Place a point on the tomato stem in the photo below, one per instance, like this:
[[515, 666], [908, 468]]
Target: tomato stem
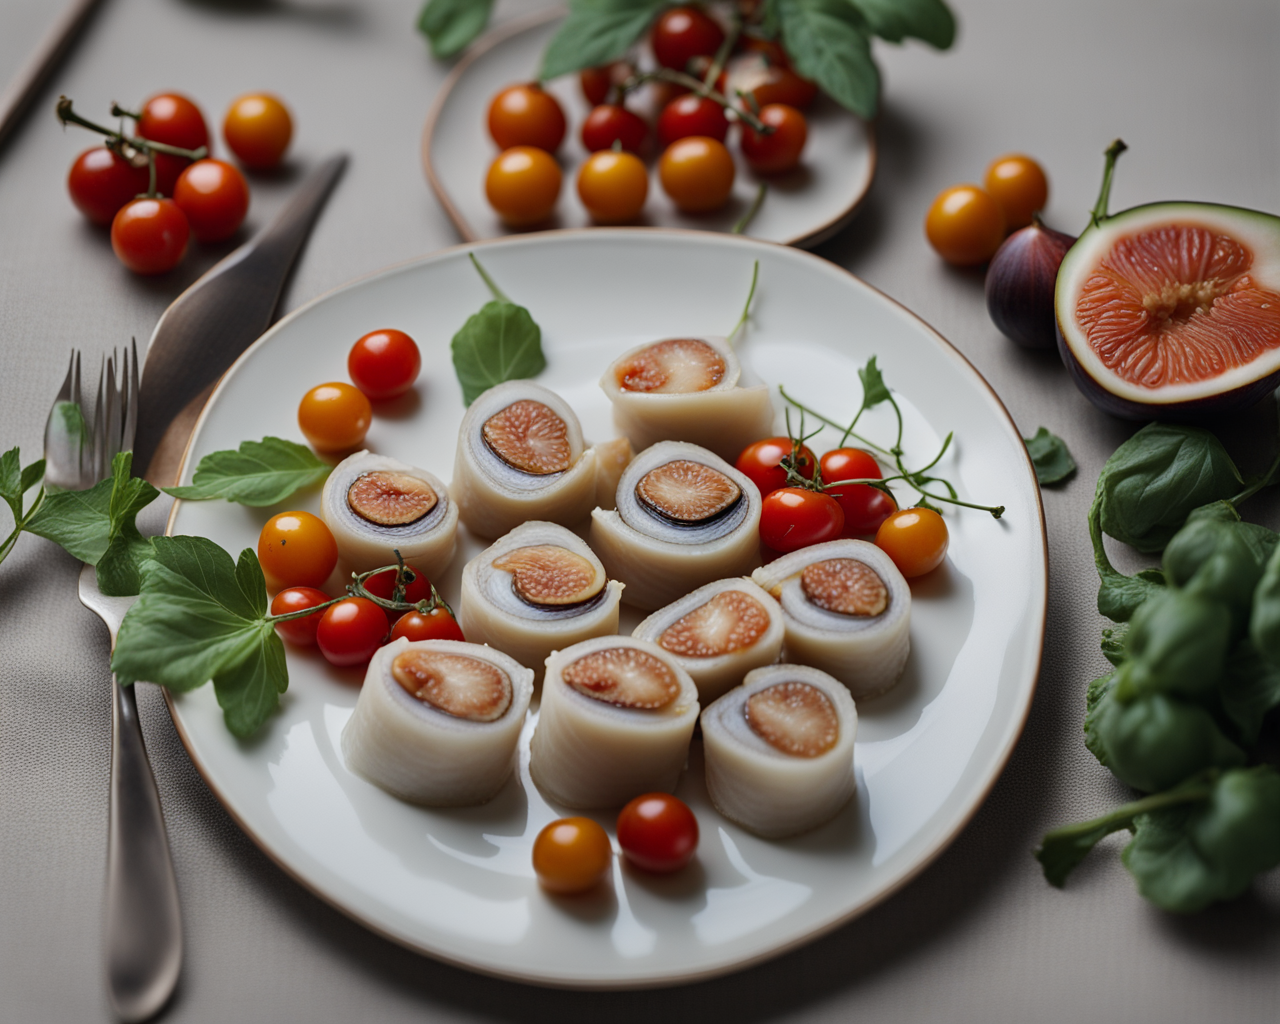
[[497, 292], [1109, 169], [749, 216], [832, 423], [693, 85], [66, 115], [746, 309]]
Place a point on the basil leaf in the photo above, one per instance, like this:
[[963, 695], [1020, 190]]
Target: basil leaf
[[16, 481], [596, 32], [895, 20], [258, 473], [1050, 457], [451, 25], [828, 43], [1119, 596], [499, 343], [874, 389], [1098, 689], [1250, 687], [1113, 641], [1264, 619], [201, 617]]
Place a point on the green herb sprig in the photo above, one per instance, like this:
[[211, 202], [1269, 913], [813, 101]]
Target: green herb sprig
[[258, 473], [499, 343]]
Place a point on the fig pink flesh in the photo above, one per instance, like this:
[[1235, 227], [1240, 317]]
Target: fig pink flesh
[[455, 684], [794, 718], [530, 437], [676, 366], [390, 499], [547, 574], [731, 621], [625, 677], [845, 586], [687, 491]]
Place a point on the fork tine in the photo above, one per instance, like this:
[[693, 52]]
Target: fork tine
[[129, 384], [99, 427], [64, 392], [112, 418]]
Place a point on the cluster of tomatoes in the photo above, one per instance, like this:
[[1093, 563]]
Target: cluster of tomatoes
[[695, 168], [657, 832], [805, 503], [967, 223], [153, 213]]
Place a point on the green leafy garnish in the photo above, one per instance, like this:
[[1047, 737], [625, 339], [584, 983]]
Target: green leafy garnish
[[258, 473], [451, 25], [896, 20], [15, 481], [829, 43], [202, 616], [1050, 457], [597, 32], [499, 343]]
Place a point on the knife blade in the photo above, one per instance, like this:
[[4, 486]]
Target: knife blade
[[209, 325]]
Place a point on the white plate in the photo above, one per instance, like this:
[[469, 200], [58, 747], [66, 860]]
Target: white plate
[[804, 207], [458, 884]]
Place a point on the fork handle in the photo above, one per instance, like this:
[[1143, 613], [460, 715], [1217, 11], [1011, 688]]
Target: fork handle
[[143, 923]]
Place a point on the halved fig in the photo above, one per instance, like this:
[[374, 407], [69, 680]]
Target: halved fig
[[675, 366], [687, 492], [390, 499], [845, 586], [530, 437], [547, 574], [455, 684], [731, 621], [793, 718], [625, 677]]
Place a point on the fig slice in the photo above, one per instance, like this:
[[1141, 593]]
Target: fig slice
[[731, 621], [625, 677], [390, 499], [455, 684], [547, 574], [845, 586], [794, 718], [687, 492], [530, 437], [678, 366]]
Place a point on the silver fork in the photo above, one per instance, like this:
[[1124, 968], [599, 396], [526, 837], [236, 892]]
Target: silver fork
[[143, 923]]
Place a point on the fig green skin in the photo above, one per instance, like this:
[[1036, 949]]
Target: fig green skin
[[1198, 410]]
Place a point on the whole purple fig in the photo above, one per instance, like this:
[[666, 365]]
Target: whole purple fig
[[1020, 284]]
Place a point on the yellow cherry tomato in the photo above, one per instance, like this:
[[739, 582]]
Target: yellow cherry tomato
[[697, 173], [572, 855], [335, 416], [523, 185], [915, 539], [613, 186], [296, 549], [1019, 186], [965, 225], [258, 129]]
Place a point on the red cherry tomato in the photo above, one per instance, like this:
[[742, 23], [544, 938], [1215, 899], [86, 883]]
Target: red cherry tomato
[[351, 631], [864, 507], [383, 585], [609, 122], [175, 121], [658, 832], [572, 855], [683, 33], [782, 85], [689, 115], [296, 599], [296, 549], [334, 417], [780, 150], [258, 129], [916, 539], [437, 624], [794, 518], [384, 364], [526, 115], [595, 83], [759, 462], [101, 181], [150, 236], [215, 198]]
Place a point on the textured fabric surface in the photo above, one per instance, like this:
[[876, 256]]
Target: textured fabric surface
[[978, 936]]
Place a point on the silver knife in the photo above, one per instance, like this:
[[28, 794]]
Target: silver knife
[[211, 323]]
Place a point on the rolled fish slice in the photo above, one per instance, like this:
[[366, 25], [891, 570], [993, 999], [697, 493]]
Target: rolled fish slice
[[375, 505], [536, 590], [718, 633], [846, 609], [437, 721], [686, 389], [684, 518], [521, 457], [615, 721], [779, 750]]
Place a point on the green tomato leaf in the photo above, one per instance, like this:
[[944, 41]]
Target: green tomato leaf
[[596, 32], [828, 43], [874, 389], [895, 20], [1050, 457], [499, 343], [451, 25], [258, 473]]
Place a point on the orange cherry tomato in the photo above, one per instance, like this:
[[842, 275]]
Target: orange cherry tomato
[[258, 129], [523, 185], [1019, 186], [697, 173], [296, 549], [572, 855], [965, 225], [526, 115], [915, 538], [335, 416], [215, 198], [613, 186]]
